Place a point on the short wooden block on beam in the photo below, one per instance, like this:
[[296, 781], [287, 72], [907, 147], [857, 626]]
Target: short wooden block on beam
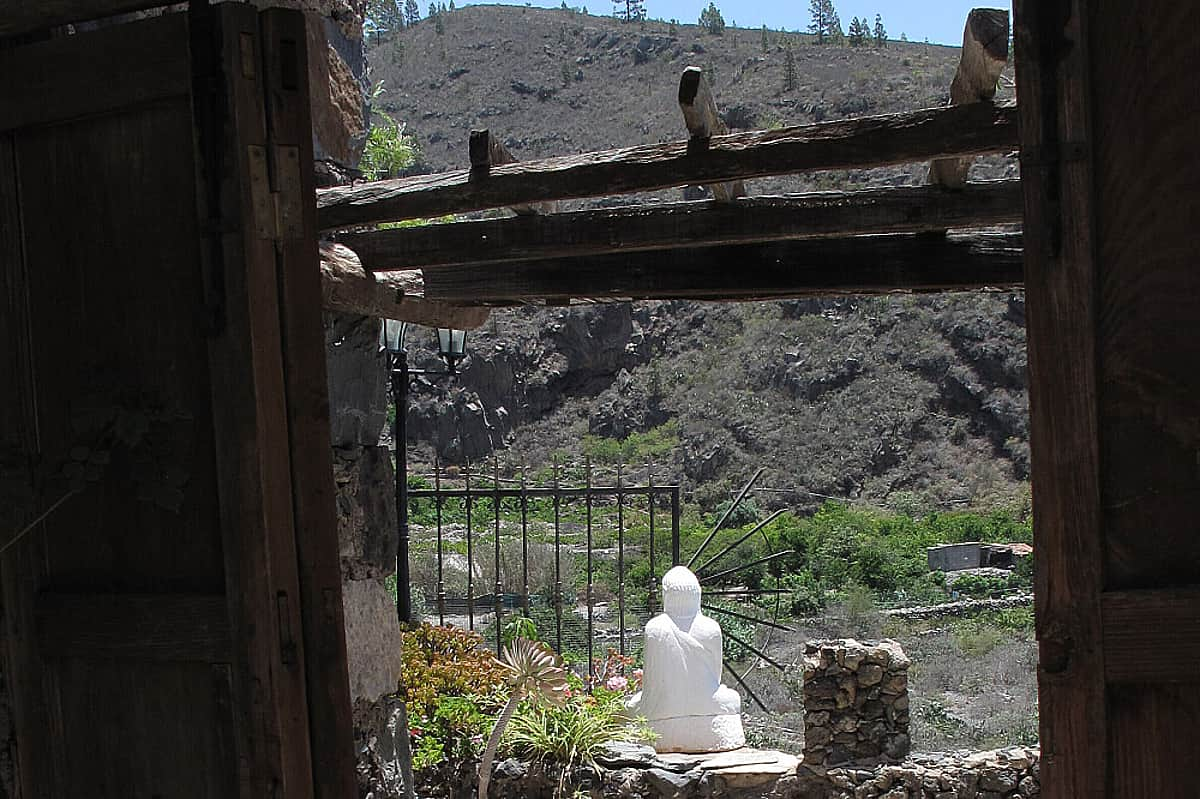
[[853, 265], [984, 56], [487, 151], [746, 220], [703, 122]]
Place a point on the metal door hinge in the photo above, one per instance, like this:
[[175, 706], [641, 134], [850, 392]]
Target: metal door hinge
[[275, 191]]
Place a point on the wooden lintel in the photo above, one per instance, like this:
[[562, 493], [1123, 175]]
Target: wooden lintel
[[27, 16], [487, 151], [1151, 636], [347, 287], [703, 122], [696, 224], [984, 55], [853, 265], [167, 627], [972, 129]]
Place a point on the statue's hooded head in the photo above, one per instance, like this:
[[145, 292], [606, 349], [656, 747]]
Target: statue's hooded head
[[681, 592]]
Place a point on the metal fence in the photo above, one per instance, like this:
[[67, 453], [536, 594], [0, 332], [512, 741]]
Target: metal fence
[[560, 546]]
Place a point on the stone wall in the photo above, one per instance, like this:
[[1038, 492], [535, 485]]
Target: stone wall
[[855, 702], [631, 771], [367, 538]]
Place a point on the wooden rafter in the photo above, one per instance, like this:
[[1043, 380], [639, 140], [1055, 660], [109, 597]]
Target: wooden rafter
[[973, 129], [693, 224], [852, 265]]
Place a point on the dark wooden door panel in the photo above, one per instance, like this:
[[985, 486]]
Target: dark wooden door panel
[[162, 332]]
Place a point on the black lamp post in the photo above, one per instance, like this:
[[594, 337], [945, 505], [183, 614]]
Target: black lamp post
[[452, 349]]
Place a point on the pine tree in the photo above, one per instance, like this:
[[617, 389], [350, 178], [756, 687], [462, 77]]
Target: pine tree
[[385, 16], [635, 10], [766, 45], [790, 81], [432, 11], [712, 21], [836, 34], [880, 32], [857, 33], [819, 26], [451, 5], [412, 13]]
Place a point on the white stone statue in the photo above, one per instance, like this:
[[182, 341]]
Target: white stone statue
[[682, 696]]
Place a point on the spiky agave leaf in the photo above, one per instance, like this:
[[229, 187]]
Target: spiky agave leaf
[[536, 671]]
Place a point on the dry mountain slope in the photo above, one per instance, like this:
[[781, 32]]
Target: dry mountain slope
[[878, 398]]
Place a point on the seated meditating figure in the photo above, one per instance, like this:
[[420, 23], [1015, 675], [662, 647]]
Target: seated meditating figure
[[682, 696]]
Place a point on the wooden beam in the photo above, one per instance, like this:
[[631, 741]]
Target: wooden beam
[[868, 141], [347, 287], [696, 224], [854, 265], [27, 16], [166, 627], [703, 122], [984, 56], [1151, 636], [487, 151]]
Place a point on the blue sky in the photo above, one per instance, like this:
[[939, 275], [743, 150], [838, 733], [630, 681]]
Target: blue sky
[[941, 21]]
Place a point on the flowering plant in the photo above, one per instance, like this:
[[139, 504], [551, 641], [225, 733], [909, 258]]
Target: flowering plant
[[616, 673]]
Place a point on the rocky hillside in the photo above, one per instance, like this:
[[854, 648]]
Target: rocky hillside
[[888, 399]]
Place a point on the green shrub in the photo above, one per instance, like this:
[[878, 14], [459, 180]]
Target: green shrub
[[977, 640], [389, 151], [456, 731], [572, 735], [439, 662]]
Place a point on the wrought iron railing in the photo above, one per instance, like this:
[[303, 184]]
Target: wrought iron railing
[[489, 536]]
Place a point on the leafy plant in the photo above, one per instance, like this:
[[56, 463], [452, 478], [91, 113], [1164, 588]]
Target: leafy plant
[[389, 150], [571, 735], [444, 661], [534, 672]]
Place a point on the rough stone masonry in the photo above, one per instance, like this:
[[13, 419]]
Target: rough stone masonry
[[855, 702]]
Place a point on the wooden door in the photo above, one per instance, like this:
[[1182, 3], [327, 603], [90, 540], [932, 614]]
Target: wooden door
[[173, 625], [1109, 115]]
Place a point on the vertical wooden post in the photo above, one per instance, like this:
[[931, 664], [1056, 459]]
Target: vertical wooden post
[[1060, 285], [289, 132]]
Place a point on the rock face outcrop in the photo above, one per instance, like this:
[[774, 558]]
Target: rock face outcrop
[[855, 702]]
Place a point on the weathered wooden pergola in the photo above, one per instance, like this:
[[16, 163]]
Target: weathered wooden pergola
[[159, 251], [733, 247]]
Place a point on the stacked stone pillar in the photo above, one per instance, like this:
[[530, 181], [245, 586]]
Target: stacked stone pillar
[[855, 702]]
